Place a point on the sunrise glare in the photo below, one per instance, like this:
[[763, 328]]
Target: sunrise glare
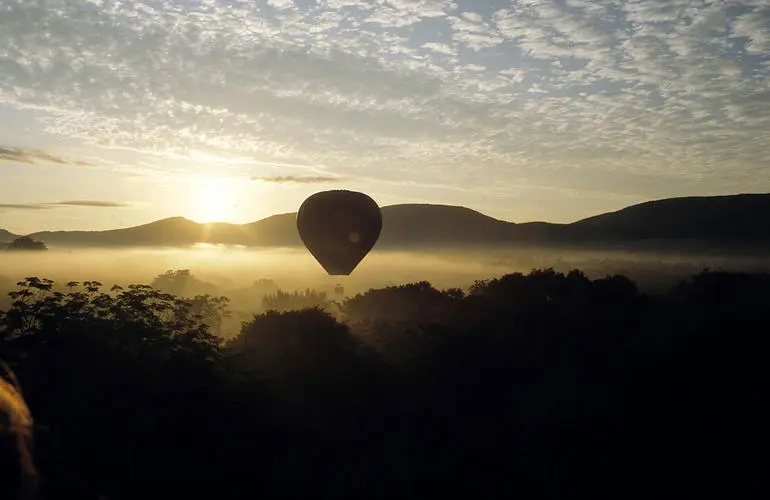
[[214, 200]]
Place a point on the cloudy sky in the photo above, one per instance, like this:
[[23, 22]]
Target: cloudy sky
[[115, 113]]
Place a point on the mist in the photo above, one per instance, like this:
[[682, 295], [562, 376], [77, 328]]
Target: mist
[[232, 271]]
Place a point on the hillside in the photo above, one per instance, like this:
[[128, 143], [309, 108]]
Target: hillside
[[278, 230], [174, 231], [439, 224], [402, 225], [6, 236], [452, 225], [743, 218]]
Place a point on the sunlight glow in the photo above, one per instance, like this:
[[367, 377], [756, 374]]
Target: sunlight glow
[[214, 200]]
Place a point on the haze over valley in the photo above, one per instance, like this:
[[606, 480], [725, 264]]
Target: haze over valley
[[656, 244]]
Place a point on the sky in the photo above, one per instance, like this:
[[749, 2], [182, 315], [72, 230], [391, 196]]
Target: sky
[[116, 113]]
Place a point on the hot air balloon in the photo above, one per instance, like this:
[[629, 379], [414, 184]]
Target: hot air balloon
[[339, 228]]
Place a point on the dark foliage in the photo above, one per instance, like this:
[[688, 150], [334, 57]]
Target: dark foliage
[[120, 385], [546, 385], [289, 301], [25, 243], [182, 283]]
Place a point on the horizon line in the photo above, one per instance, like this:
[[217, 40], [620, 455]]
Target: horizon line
[[382, 208]]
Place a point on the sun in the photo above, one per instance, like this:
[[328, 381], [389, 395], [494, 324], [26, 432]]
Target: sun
[[213, 200]]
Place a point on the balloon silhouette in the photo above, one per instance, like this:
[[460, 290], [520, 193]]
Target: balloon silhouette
[[339, 228]]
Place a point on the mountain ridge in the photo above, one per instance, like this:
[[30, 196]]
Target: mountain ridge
[[742, 217]]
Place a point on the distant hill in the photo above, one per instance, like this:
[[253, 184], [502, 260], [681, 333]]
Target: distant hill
[[278, 230], [720, 218], [743, 217], [7, 237], [412, 224], [402, 225]]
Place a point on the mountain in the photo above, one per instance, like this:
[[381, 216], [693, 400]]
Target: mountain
[[402, 225], [412, 224], [175, 231], [438, 224], [6, 236], [718, 218], [733, 218], [278, 230]]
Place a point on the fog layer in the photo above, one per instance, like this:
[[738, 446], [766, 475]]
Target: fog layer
[[230, 268]]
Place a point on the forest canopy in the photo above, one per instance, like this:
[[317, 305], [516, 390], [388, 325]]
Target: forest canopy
[[544, 384]]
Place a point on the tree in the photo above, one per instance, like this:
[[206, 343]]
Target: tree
[[26, 243], [582, 385], [316, 368], [289, 301], [181, 282], [212, 310], [135, 366], [414, 302]]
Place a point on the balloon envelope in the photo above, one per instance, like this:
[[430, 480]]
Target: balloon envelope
[[339, 228]]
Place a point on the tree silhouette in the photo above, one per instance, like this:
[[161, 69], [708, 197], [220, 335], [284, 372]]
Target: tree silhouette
[[414, 302], [134, 365], [288, 301], [182, 283], [544, 385], [212, 310], [25, 243], [324, 380]]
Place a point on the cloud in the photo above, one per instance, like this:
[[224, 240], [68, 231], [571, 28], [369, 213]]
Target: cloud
[[33, 156], [61, 204], [440, 48], [292, 179], [577, 93], [24, 206], [92, 203]]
